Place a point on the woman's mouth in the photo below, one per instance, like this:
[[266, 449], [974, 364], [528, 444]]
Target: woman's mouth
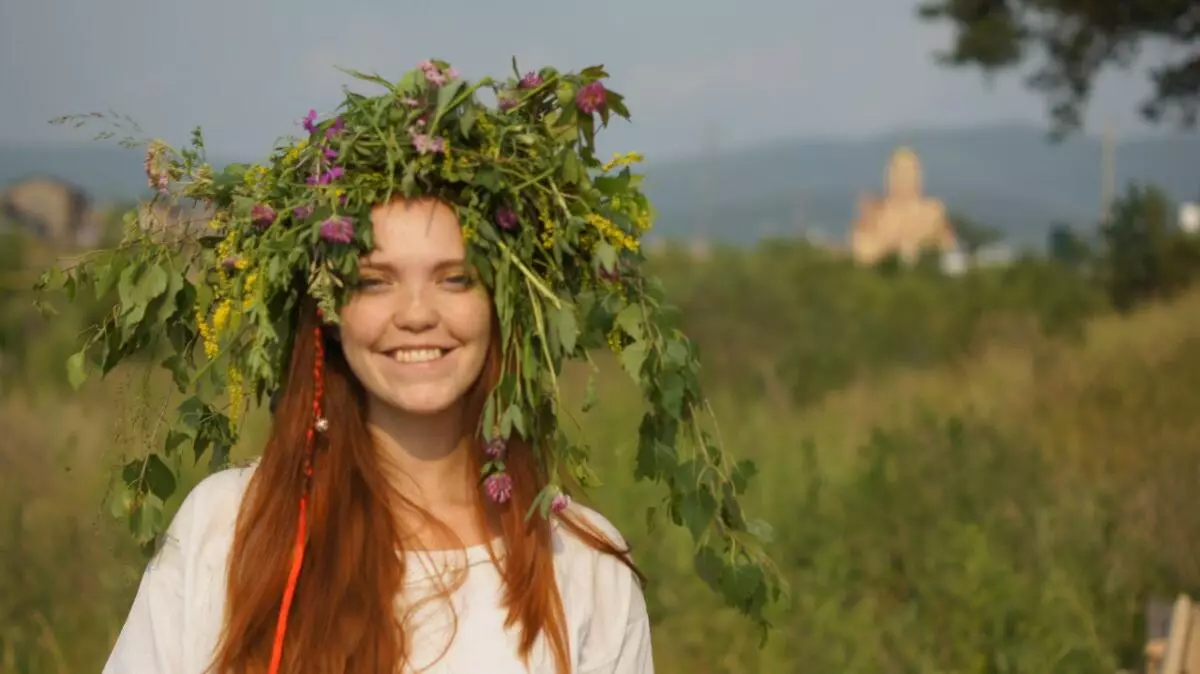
[[418, 355]]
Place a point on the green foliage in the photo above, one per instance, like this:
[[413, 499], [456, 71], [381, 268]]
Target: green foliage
[[939, 539], [973, 235], [552, 231], [1078, 39], [831, 321], [1019, 533], [1145, 257]]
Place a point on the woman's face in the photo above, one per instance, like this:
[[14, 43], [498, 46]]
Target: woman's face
[[416, 330]]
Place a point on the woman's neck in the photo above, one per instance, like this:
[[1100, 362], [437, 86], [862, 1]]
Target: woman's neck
[[426, 456]]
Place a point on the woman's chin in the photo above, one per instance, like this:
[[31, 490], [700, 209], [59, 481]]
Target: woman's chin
[[420, 401]]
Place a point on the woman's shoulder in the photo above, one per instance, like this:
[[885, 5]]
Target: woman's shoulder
[[585, 542], [210, 509], [590, 521], [601, 592]]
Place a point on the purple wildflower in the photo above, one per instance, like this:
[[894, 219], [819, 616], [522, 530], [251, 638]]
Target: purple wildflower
[[326, 177], [310, 121], [156, 174], [499, 487], [495, 448], [591, 98], [425, 144], [335, 128], [531, 80], [338, 230], [452, 73], [411, 102], [262, 215], [229, 263], [506, 218], [433, 74], [507, 100], [560, 502], [302, 212], [330, 153]]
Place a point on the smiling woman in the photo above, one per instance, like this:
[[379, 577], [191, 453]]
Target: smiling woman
[[408, 280], [416, 333]]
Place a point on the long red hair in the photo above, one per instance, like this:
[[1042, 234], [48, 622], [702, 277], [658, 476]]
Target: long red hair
[[343, 618]]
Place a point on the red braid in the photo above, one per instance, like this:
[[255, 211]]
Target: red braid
[[319, 425]]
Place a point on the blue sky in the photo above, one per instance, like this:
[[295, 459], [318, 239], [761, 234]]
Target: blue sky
[[694, 72]]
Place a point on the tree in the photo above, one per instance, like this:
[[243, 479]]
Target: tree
[[1145, 257], [1078, 39], [1067, 246], [972, 235]]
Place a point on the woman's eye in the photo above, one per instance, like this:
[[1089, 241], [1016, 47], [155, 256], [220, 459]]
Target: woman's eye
[[369, 284], [459, 280]]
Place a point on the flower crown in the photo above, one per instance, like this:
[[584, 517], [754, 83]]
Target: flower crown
[[553, 231]]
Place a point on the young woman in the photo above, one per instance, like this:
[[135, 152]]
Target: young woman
[[406, 281], [395, 500]]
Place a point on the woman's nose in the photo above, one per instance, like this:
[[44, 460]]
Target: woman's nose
[[415, 311]]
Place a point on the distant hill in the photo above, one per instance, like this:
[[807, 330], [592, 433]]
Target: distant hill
[[1007, 176]]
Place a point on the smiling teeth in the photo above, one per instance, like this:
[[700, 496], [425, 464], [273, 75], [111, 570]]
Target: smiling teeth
[[417, 355]]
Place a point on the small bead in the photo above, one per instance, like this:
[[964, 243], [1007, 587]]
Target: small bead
[[322, 425]]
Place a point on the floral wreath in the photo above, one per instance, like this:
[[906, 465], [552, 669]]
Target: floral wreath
[[553, 231]]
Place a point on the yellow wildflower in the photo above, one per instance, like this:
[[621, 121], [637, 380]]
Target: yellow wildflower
[[248, 291], [220, 319], [237, 393], [255, 176], [611, 232], [618, 160], [614, 340], [548, 226], [207, 337], [293, 154]]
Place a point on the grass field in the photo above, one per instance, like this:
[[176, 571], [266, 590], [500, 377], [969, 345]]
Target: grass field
[[1006, 507]]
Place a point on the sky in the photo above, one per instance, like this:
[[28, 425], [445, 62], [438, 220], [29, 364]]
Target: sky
[[696, 74]]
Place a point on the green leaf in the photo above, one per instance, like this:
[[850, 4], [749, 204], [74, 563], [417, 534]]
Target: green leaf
[[676, 354], [446, 96], [572, 171], [159, 477], [589, 396], [632, 359], [564, 326], [671, 391], [368, 78], [630, 321], [513, 418], [77, 369], [743, 472], [697, 508], [709, 567]]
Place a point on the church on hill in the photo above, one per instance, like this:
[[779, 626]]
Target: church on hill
[[903, 221]]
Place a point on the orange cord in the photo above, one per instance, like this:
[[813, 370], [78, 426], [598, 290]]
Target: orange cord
[[289, 591]]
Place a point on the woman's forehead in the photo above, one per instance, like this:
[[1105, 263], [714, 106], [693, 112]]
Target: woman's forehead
[[416, 230]]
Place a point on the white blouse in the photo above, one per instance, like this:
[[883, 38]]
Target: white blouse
[[176, 616]]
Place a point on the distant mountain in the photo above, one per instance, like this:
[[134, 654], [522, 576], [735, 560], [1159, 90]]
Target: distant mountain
[[1007, 176]]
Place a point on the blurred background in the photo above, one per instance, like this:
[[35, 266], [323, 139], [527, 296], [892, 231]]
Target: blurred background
[[940, 262]]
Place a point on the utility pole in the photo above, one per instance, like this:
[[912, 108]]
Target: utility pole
[[1108, 171]]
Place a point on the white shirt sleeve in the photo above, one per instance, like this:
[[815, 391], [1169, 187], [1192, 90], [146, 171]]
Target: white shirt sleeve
[[152, 639], [634, 655], [618, 640]]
